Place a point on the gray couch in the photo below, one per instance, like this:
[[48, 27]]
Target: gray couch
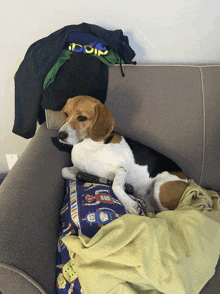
[[173, 109]]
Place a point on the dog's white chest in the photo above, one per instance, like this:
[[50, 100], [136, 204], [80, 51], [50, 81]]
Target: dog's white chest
[[100, 159]]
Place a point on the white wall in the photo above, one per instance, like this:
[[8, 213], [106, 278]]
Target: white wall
[[160, 31]]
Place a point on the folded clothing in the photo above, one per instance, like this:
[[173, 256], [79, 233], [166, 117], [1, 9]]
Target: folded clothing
[[87, 43], [78, 43], [54, 70], [86, 208], [109, 59], [41, 57], [81, 74]]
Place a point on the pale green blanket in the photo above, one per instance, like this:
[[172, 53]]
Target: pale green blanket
[[172, 252]]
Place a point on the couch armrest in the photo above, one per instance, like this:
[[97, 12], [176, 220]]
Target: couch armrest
[[30, 201]]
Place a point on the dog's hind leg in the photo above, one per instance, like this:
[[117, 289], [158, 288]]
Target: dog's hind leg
[[168, 189], [130, 205]]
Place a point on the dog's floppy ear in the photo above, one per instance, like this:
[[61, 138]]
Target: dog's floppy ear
[[103, 123]]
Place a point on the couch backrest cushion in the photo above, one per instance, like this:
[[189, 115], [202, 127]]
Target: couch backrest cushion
[[172, 109]]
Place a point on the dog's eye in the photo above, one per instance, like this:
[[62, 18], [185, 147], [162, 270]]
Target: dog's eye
[[66, 114], [82, 118]]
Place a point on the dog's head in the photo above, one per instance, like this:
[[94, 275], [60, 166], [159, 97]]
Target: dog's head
[[86, 117]]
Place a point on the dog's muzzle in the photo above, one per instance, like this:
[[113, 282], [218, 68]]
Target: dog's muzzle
[[62, 135]]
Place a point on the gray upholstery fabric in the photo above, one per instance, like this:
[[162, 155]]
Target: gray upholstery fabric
[[211, 172], [167, 109], [30, 201], [54, 119], [14, 281]]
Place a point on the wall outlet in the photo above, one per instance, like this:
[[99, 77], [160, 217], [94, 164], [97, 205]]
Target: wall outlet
[[11, 159]]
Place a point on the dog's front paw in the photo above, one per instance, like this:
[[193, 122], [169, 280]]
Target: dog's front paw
[[132, 207], [69, 173]]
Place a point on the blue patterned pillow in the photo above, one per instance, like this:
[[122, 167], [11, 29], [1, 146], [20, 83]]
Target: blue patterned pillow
[[86, 208]]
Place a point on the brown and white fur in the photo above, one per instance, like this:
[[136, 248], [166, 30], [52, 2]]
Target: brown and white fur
[[88, 124]]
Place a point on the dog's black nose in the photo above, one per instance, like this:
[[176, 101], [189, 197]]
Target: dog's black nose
[[62, 135]]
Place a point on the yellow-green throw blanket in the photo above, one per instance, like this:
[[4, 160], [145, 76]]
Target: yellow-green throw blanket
[[173, 252]]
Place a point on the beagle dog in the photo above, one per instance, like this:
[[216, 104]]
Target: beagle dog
[[99, 151]]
